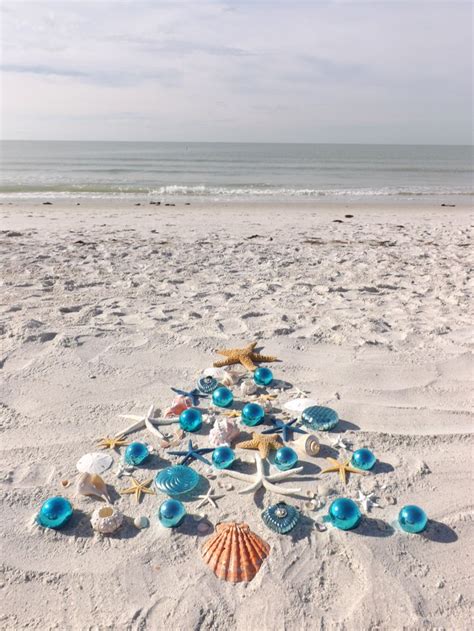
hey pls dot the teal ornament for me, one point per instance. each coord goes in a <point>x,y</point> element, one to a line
<point>281,517</point>
<point>176,480</point>
<point>285,458</point>
<point>171,513</point>
<point>207,384</point>
<point>136,453</point>
<point>363,459</point>
<point>252,414</point>
<point>263,376</point>
<point>344,514</point>
<point>319,418</point>
<point>55,512</point>
<point>190,420</point>
<point>222,457</point>
<point>222,397</point>
<point>412,519</point>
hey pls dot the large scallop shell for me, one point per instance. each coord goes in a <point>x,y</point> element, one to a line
<point>92,484</point>
<point>177,480</point>
<point>281,517</point>
<point>95,462</point>
<point>235,553</point>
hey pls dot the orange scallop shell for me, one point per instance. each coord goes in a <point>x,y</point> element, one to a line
<point>235,553</point>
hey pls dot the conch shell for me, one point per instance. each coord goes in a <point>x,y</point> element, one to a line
<point>179,404</point>
<point>223,432</point>
<point>106,520</point>
<point>235,553</point>
<point>92,484</point>
<point>305,444</point>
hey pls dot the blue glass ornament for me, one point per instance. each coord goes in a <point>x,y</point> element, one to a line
<point>171,513</point>
<point>363,459</point>
<point>136,453</point>
<point>222,457</point>
<point>55,512</point>
<point>176,480</point>
<point>344,514</point>
<point>281,517</point>
<point>190,420</point>
<point>207,384</point>
<point>252,414</point>
<point>285,458</point>
<point>263,376</point>
<point>412,519</point>
<point>319,418</point>
<point>222,397</point>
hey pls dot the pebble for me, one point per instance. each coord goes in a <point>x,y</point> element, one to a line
<point>141,522</point>
<point>204,526</point>
<point>390,499</point>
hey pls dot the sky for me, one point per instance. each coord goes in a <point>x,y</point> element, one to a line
<point>246,70</point>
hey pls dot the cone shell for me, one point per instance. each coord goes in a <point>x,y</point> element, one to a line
<point>235,553</point>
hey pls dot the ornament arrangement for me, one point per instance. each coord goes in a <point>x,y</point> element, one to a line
<point>234,553</point>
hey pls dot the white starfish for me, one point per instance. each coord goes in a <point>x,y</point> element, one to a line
<point>260,479</point>
<point>208,498</point>
<point>341,443</point>
<point>366,501</point>
<point>149,421</point>
<point>299,392</point>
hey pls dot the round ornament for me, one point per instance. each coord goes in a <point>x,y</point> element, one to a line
<point>55,512</point>
<point>222,457</point>
<point>171,513</point>
<point>252,414</point>
<point>136,453</point>
<point>318,417</point>
<point>363,459</point>
<point>412,519</point>
<point>190,420</point>
<point>177,480</point>
<point>263,376</point>
<point>281,517</point>
<point>344,514</point>
<point>285,458</point>
<point>207,384</point>
<point>222,397</point>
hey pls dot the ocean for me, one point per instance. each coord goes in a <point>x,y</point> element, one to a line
<point>232,171</point>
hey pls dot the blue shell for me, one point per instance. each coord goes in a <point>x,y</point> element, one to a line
<point>176,480</point>
<point>320,418</point>
<point>281,517</point>
<point>207,384</point>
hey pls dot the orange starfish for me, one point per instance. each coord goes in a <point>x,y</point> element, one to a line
<point>343,468</point>
<point>261,442</point>
<point>112,442</point>
<point>244,356</point>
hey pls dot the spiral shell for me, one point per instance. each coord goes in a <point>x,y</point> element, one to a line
<point>306,444</point>
<point>248,386</point>
<point>235,553</point>
<point>106,520</point>
<point>176,480</point>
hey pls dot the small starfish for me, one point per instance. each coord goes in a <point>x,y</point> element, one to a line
<point>299,392</point>
<point>124,469</point>
<point>208,498</point>
<point>259,479</point>
<point>343,468</point>
<point>138,488</point>
<point>267,397</point>
<point>193,453</point>
<point>194,395</point>
<point>366,501</point>
<point>341,443</point>
<point>148,421</point>
<point>232,413</point>
<point>285,429</point>
<point>112,442</point>
<point>262,443</point>
<point>244,356</point>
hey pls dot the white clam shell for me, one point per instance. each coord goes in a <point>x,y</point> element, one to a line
<point>298,405</point>
<point>106,520</point>
<point>95,462</point>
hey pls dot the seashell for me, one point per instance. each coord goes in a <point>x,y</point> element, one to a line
<point>225,377</point>
<point>65,483</point>
<point>179,404</point>
<point>141,522</point>
<point>305,444</point>
<point>319,418</point>
<point>248,386</point>
<point>92,484</point>
<point>207,384</point>
<point>281,517</point>
<point>298,405</point>
<point>266,405</point>
<point>95,462</point>
<point>177,480</point>
<point>106,520</point>
<point>235,553</point>
<point>223,432</point>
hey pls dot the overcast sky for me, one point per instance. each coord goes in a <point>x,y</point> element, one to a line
<point>243,70</point>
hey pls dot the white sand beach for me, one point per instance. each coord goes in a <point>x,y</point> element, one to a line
<point>105,307</point>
